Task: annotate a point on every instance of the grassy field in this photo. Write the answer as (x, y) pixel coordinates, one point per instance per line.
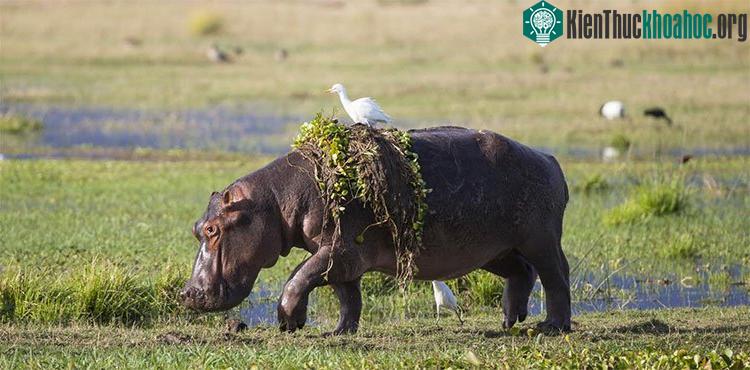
(431, 63)
(645, 340)
(62, 219)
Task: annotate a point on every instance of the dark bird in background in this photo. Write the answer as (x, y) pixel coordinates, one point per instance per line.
(658, 113)
(686, 158)
(216, 55)
(132, 42)
(281, 55)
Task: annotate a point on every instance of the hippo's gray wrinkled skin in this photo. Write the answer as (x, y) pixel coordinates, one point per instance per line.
(495, 204)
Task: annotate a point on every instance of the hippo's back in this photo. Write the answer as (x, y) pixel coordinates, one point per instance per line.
(482, 180)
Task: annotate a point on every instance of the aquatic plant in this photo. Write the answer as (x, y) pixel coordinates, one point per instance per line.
(653, 199)
(362, 163)
(593, 184)
(620, 142)
(683, 246)
(16, 124)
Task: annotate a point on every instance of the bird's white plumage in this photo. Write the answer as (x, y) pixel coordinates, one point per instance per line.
(363, 110)
(444, 298)
(612, 110)
(610, 154)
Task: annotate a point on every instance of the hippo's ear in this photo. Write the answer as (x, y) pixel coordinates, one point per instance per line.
(233, 194)
(226, 198)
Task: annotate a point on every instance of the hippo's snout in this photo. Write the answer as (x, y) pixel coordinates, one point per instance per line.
(193, 297)
(192, 293)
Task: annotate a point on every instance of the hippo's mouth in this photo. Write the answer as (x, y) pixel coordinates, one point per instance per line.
(219, 299)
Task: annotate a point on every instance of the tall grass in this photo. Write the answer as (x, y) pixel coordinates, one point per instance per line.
(96, 294)
(651, 199)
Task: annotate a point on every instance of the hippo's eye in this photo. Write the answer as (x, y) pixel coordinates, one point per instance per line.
(210, 230)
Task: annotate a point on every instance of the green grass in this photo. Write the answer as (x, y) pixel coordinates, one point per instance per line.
(15, 124)
(98, 294)
(102, 247)
(652, 339)
(651, 199)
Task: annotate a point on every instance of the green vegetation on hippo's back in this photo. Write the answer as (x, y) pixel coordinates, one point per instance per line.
(376, 167)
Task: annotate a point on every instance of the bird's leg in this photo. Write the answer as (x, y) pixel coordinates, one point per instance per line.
(459, 314)
(438, 314)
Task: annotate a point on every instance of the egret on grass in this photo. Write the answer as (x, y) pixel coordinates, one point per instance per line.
(612, 110)
(362, 110)
(444, 298)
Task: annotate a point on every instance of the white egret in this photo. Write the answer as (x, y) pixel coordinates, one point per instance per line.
(610, 154)
(444, 298)
(362, 110)
(612, 110)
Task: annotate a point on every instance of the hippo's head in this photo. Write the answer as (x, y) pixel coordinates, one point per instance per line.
(238, 236)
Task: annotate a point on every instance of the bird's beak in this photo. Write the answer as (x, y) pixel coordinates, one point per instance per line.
(329, 91)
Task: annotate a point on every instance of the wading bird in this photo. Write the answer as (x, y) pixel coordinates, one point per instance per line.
(362, 110)
(658, 113)
(216, 55)
(444, 298)
(612, 110)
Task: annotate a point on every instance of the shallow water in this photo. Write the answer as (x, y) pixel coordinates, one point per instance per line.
(618, 292)
(245, 130)
(624, 291)
(215, 128)
(261, 307)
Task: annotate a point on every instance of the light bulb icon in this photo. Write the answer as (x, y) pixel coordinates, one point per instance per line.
(542, 22)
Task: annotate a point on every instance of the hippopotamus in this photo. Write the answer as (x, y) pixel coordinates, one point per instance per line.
(495, 204)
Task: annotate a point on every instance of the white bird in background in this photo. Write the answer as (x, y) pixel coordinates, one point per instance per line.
(612, 110)
(444, 298)
(362, 110)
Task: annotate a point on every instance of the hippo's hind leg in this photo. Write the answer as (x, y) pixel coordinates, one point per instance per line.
(520, 277)
(543, 251)
(350, 298)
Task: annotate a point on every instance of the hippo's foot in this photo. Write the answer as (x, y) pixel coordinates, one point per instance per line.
(347, 327)
(553, 326)
(295, 320)
(514, 312)
(516, 297)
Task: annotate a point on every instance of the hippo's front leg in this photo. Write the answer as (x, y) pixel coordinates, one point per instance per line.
(292, 308)
(350, 298)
